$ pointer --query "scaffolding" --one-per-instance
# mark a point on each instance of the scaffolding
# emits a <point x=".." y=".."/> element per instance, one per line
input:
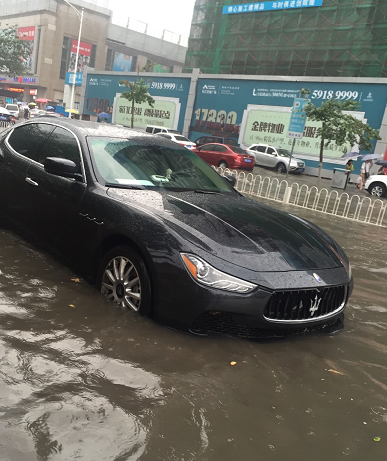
<point x="342" y="38"/>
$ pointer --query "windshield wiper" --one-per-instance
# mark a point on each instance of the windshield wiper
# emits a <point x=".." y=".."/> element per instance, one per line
<point x="124" y="186"/>
<point x="204" y="191"/>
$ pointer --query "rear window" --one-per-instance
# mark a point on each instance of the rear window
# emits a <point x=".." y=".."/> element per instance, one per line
<point x="237" y="150"/>
<point x="182" y="138"/>
<point x="230" y="142"/>
<point x="12" y="107"/>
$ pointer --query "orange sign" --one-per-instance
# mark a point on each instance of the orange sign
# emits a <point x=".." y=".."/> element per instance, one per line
<point x="16" y="90"/>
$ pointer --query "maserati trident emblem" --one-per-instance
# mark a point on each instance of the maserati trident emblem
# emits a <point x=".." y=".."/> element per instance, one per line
<point x="317" y="277"/>
<point x="314" y="305"/>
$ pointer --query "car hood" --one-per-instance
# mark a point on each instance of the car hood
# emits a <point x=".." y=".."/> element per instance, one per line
<point x="238" y="230"/>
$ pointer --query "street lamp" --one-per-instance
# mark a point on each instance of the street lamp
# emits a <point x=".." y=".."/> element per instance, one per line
<point x="80" y="17"/>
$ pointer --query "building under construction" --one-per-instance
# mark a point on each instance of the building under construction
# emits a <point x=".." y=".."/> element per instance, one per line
<point x="335" y="38"/>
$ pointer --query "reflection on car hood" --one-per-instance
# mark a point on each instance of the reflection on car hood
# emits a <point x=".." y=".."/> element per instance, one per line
<point x="237" y="229"/>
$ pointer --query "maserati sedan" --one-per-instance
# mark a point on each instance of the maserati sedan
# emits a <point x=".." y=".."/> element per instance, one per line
<point x="158" y="231"/>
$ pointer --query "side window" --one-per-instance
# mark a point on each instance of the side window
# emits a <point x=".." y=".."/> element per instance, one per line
<point x="156" y="130"/>
<point x="253" y="148"/>
<point x="148" y="129"/>
<point x="61" y="144"/>
<point x="231" y="142"/>
<point x="220" y="149"/>
<point x="208" y="147"/>
<point x="261" y="148"/>
<point x="270" y="150"/>
<point x="28" y="139"/>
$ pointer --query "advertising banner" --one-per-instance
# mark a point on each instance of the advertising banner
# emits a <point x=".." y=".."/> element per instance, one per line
<point x="83" y="57"/>
<point x="270" y="125"/>
<point x="161" y="68"/>
<point x="70" y="78"/>
<point x="165" y="112"/>
<point x="220" y="105"/>
<point x="28" y="35"/>
<point x="102" y="88"/>
<point x="122" y="62"/>
<point x="258" y="7"/>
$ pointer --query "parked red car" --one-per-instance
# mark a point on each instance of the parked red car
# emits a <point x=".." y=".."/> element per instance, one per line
<point x="225" y="156"/>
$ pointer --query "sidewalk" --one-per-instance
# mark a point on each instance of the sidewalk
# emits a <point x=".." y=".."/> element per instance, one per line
<point x="310" y="181"/>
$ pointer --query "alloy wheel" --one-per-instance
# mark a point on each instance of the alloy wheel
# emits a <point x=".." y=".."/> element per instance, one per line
<point x="377" y="191"/>
<point x="121" y="283"/>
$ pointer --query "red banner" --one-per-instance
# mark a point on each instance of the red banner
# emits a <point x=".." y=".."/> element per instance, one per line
<point x="84" y="48"/>
<point x="26" y="33"/>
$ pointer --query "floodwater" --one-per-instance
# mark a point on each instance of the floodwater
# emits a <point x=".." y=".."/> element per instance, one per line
<point x="81" y="379"/>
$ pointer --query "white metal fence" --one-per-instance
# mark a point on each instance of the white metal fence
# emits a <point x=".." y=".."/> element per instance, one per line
<point x="368" y="210"/>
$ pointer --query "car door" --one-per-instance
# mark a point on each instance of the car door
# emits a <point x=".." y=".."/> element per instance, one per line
<point x="221" y="153"/>
<point x="260" y="156"/>
<point x="57" y="199"/>
<point x="205" y="152"/>
<point x="271" y="157"/>
<point x="18" y="151"/>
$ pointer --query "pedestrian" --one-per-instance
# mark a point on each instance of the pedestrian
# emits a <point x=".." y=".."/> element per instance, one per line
<point x="365" y="172"/>
<point x="349" y="169"/>
<point x="382" y="170"/>
<point x="26" y="113"/>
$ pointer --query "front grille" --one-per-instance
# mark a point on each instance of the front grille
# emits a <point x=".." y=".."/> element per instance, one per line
<point x="226" y="323"/>
<point x="305" y="305"/>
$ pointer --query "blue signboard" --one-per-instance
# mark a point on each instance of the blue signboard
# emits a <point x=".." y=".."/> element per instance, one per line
<point x="70" y="78"/>
<point x="101" y="90"/>
<point x="297" y="118"/>
<point x="258" y="7"/>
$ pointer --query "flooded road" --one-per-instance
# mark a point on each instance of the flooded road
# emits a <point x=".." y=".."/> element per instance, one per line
<point x="81" y="379"/>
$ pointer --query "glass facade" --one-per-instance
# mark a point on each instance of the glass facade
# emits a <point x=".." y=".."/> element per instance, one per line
<point x="341" y="38"/>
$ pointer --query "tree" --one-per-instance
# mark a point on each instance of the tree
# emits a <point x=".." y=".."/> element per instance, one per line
<point x="138" y="93"/>
<point x="338" y="127"/>
<point x="13" y="52"/>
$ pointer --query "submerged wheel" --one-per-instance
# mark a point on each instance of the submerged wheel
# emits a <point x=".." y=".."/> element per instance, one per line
<point x="281" y="168"/>
<point x="123" y="279"/>
<point x="378" y="190"/>
<point x="222" y="164"/>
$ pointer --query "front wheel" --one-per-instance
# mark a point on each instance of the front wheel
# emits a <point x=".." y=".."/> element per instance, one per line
<point x="378" y="190"/>
<point x="281" y="168"/>
<point x="123" y="279"/>
<point x="222" y="164"/>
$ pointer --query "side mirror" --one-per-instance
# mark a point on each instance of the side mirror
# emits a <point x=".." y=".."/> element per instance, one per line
<point x="231" y="179"/>
<point x="62" y="167"/>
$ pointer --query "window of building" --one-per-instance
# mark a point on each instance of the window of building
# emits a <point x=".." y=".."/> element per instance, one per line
<point x="66" y="49"/>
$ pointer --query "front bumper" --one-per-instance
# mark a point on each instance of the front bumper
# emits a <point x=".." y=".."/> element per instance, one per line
<point x="202" y="310"/>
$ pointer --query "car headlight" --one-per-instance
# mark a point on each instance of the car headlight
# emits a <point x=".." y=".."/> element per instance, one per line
<point x="349" y="271"/>
<point x="207" y="275"/>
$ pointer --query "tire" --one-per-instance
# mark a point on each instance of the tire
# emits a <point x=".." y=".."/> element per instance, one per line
<point x="222" y="164"/>
<point x="378" y="190"/>
<point x="281" y="168"/>
<point x="112" y="278"/>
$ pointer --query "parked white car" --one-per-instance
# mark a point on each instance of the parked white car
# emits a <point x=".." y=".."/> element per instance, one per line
<point x="13" y="109"/>
<point x="376" y="185"/>
<point x="182" y="140"/>
<point x="275" y="157"/>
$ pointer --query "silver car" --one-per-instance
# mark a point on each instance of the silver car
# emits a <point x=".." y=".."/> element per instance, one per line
<point x="275" y="157"/>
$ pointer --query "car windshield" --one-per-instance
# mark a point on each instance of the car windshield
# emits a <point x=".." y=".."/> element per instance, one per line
<point x="138" y="163"/>
<point x="283" y="152"/>
<point x="237" y="150"/>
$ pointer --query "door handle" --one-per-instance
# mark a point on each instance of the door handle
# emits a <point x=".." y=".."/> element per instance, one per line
<point x="30" y="181"/>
